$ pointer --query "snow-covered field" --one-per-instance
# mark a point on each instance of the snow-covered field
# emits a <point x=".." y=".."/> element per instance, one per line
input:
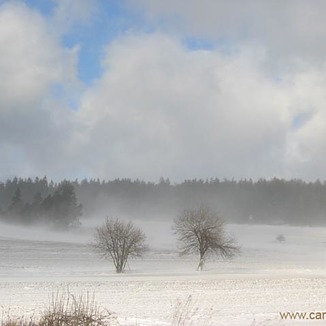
<point x="267" y="278"/>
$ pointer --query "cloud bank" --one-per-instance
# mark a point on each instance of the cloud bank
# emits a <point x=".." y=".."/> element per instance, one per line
<point x="162" y="107"/>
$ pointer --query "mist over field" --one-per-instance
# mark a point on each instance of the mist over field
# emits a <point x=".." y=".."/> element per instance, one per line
<point x="267" y="278"/>
<point x="47" y="233"/>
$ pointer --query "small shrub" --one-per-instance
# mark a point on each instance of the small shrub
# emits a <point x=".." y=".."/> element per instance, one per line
<point x="280" y="238"/>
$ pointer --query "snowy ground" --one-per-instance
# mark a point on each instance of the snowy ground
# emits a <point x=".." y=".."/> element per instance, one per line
<point x="268" y="278"/>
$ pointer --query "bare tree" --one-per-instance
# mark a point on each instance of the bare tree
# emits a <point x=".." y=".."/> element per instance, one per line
<point x="201" y="231"/>
<point x="118" y="240"/>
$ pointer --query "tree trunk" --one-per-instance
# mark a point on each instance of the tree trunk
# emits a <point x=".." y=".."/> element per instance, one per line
<point x="201" y="264"/>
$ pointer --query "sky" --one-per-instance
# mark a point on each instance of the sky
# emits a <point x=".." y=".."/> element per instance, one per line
<point x="176" y="89"/>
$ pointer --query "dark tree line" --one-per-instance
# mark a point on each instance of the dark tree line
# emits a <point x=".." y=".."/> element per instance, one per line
<point x="264" y="201"/>
<point x="57" y="205"/>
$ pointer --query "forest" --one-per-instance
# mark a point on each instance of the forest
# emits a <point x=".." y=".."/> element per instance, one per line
<point x="273" y="201"/>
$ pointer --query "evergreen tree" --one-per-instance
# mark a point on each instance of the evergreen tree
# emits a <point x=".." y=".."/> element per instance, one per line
<point x="16" y="206"/>
<point x="62" y="206"/>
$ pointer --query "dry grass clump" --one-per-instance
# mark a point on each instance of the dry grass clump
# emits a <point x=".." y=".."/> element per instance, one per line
<point x="67" y="310"/>
<point x="183" y="312"/>
<point x="19" y="321"/>
<point x="8" y="320"/>
<point x="71" y="310"/>
<point x="186" y="313"/>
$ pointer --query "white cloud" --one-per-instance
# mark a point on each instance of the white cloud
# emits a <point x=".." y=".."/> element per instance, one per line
<point x="28" y="57"/>
<point x="160" y="109"/>
<point x="287" y="29"/>
<point x="306" y="151"/>
<point x="33" y="66"/>
<point x="69" y="13"/>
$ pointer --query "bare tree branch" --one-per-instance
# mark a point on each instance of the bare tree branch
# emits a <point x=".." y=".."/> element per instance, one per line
<point x="117" y="240"/>
<point x="201" y="231"/>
